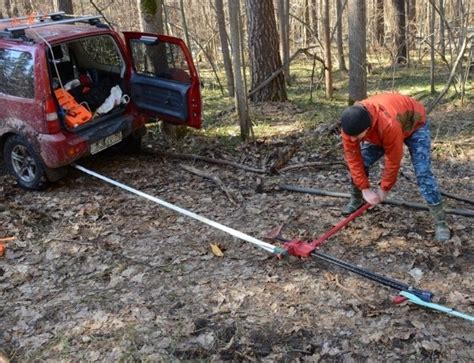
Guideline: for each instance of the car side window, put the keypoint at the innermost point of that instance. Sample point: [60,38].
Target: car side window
[162,60]
[102,50]
[16,73]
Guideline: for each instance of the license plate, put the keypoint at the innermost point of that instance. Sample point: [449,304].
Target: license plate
[106,142]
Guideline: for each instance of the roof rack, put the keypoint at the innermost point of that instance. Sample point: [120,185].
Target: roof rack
[39,16]
[55,18]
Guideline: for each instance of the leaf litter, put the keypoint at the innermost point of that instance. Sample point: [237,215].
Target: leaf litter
[96,274]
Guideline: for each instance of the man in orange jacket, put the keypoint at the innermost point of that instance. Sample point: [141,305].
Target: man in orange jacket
[379,126]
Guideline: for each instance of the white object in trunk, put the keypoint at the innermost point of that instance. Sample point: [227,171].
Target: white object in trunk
[115,98]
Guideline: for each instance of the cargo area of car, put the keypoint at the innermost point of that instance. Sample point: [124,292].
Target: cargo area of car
[87,79]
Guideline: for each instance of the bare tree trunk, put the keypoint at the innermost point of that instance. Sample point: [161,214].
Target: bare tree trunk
[66,6]
[8,8]
[411,16]
[166,20]
[314,17]
[379,22]
[327,50]
[185,25]
[400,31]
[240,93]
[340,47]
[357,51]
[284,20]
[307,30]
[458,13]
[442,41]
[432,49]
[151,12]
[263,50]
[225,46]
[152,16]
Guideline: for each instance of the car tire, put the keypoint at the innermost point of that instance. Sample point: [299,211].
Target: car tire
[24,163]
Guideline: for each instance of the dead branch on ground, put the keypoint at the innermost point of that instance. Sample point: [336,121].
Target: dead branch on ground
[284,159]
[213,178]
[314,164]
[400,203]
[214,161]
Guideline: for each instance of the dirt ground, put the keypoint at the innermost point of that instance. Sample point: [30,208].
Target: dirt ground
[98,274]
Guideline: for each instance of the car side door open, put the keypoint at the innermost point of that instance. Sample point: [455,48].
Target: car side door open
[164,82]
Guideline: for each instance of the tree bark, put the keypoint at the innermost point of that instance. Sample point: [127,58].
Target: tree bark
[151,16]
[432,48]
[8,8]
[340,47]
[379,23]
[225,47]
[66,6]
[263,51]
[400,32]
[151,13]
[411,27]
[240,92]
[284,20]
[442,41]
[314,17]
[327,50]
[185,24]
[357,51]
[306,29]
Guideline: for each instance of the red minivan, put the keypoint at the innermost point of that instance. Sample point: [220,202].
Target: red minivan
[71,87]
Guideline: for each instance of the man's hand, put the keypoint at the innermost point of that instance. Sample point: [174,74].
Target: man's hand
[382,194]
[370,196]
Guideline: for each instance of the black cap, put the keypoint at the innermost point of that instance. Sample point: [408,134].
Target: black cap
[355,120]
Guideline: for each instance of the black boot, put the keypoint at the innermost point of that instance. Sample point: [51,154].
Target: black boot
[355,202]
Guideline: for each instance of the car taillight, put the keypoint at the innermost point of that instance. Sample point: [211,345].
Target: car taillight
[195,106]
[51,116]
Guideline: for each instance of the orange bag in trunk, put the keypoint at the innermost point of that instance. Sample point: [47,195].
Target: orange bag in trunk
[76,114]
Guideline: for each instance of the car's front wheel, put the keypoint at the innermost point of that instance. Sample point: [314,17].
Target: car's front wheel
[24,164]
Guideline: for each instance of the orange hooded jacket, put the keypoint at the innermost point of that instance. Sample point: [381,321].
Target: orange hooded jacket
[394,117]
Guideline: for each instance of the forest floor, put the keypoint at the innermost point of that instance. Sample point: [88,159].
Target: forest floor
[97,274]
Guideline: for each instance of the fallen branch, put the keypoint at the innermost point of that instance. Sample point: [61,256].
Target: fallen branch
[449,195]
[213,178]
[453,196]
[7,239]
[283,159]
[317,164]
[214,161]
[400,203]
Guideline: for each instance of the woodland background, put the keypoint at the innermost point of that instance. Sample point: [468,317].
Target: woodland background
[267,37]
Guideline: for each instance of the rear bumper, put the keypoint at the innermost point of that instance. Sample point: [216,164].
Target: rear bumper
[65,147]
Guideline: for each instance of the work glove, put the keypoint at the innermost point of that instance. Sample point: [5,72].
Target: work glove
[382,194]
[370,196]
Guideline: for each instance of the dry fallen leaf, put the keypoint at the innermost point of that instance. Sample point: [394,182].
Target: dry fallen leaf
[3,358]
[216,250]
